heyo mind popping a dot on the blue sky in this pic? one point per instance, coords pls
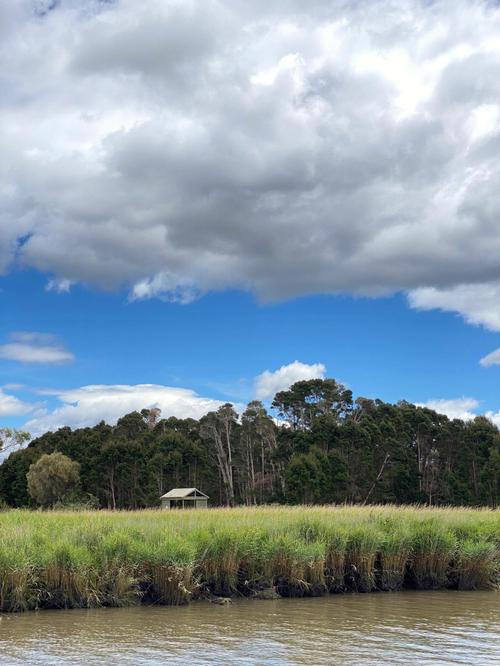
(206, 201)
(219, 344)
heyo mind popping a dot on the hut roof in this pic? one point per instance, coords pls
(182, 493)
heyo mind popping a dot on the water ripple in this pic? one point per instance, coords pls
(410, 628)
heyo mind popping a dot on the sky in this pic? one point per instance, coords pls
(204, 201)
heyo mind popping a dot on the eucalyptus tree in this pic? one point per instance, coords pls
(259, 447)
(219, 429)
(304, 401)
(10, 438)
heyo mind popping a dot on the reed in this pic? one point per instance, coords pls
(361, 555)
(433, 549)
(336, 539)
(218, 559)
(394, 555)
(64, 559)
(477, 564)
(296, 567)
(164, 566)
(66, 577)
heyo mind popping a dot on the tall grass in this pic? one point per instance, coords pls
(91, 559)
(433, 548)
(336, 538)
(394, 554)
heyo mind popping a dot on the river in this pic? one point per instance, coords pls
(373, 629)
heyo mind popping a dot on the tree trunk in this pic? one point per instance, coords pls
(379, 475)
(112, 487)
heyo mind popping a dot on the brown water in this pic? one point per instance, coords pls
(402, 628)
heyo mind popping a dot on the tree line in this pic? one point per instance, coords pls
(320, 446)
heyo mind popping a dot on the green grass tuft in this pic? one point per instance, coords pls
(89, 559)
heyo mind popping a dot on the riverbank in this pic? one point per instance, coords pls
(92, 559)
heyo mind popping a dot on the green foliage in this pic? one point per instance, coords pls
(477, 564)
(433, 547)
(307, 400)
(327, 449)
(53, 478)
(57, 559)
(305, 479)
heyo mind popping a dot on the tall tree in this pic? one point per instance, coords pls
(308, 399)
(324, 448)
(218, 428)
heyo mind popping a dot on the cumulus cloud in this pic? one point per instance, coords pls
(491, 359)
(283, 148)
(10, 405)
(268, 383)
(477, 303)
(87, 405)
(458, 408)
(28, 347)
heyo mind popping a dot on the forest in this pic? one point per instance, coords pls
(316, 446)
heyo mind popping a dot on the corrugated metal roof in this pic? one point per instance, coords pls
(179, 493)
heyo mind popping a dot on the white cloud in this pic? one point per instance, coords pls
(35, 348)
(166, 287)
(491, 359)
(478, 304)
(458, 408)
(494, 417)
(268, 383)
(60, 286)
(284, 148)
(87, 405)
(10, 405)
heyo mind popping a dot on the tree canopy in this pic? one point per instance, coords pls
(322, 447)
(53, 478)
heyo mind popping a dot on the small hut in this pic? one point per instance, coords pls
(184, 498)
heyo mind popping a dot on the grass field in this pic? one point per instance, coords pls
(91, 559)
